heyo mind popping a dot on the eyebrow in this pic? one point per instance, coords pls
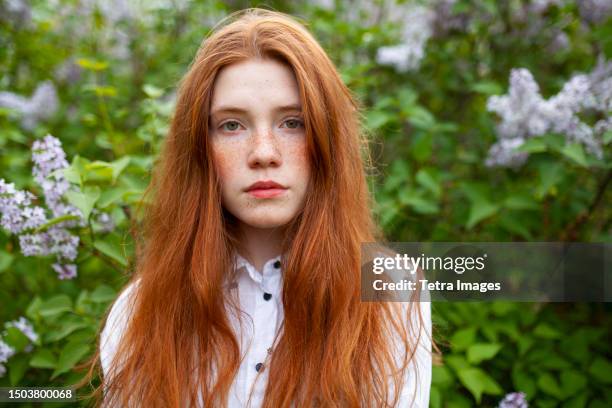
(238, 110)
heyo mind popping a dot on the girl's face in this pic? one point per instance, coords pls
(259, 143)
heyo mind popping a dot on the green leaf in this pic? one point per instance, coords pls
(425, 178)
(84, 200)
(520, 201)
(56, 305)
(523, 382)
(419, 117)
(572, 381)
(546, 331)
(487, 87)
(6, 259)
(422, 146)
(34, 308)
(578, 401)
(43, 358)
(110, 248)
(417, 203)
(118, 166)
(482, 351)
(600, 369)
(435, 397)
(441, 375)
(152, 91)
(103, 294)
(15, 338)
(91, 64)
(17, 366)
(462, 339)
(478, 382)
(550, 174)
(376, 119)
(575, 152)
(548, 384)
(480, 210)
(71, 354)
(533, 145)
(457, 362)
(66, 326)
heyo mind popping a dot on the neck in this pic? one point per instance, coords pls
(260, 244)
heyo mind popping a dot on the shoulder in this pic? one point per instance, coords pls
(416, 321)
(115, 324)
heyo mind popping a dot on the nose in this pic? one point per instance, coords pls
(264, 149)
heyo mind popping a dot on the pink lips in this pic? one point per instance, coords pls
(266, 189)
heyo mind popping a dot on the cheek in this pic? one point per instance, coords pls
(300, 158)
(223, 164)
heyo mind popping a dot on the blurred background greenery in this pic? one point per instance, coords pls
(488, 121)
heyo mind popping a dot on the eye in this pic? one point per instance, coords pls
(294, 123)
(230, 126)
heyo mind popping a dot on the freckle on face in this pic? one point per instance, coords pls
(259, 88)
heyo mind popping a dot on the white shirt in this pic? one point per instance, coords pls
(260, 297)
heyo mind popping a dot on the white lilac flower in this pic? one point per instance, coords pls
(525, 113)
(595, 11)
(25, 327)
(417, 22)
(18, 11)
(514, 400)
(6, 351)
(65, 271)
(503, 153)
(16, 209)
(40, 106)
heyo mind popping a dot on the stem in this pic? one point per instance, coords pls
(571, 231)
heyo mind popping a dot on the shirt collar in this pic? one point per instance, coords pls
(271, 268)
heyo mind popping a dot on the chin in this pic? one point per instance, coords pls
(267, 221)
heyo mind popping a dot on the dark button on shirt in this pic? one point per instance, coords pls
(267, 296)
(259, 366)
(277, 264)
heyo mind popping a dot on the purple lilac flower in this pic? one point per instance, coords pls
(17, 210)
(25, 327)
(48, 157)
(16, 11)
(65, 271)
(56, 240)
(595, 11)
(526, 114)
(40, 106)
(6, 352)
(514, 400)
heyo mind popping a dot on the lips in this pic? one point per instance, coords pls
(266, 189)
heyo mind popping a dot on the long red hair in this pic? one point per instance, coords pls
(334, 350)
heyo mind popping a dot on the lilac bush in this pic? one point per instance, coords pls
(21, 217)
(525, 113)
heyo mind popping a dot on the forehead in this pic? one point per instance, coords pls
(255, 83)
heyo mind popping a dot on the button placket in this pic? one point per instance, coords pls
(266, 312)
